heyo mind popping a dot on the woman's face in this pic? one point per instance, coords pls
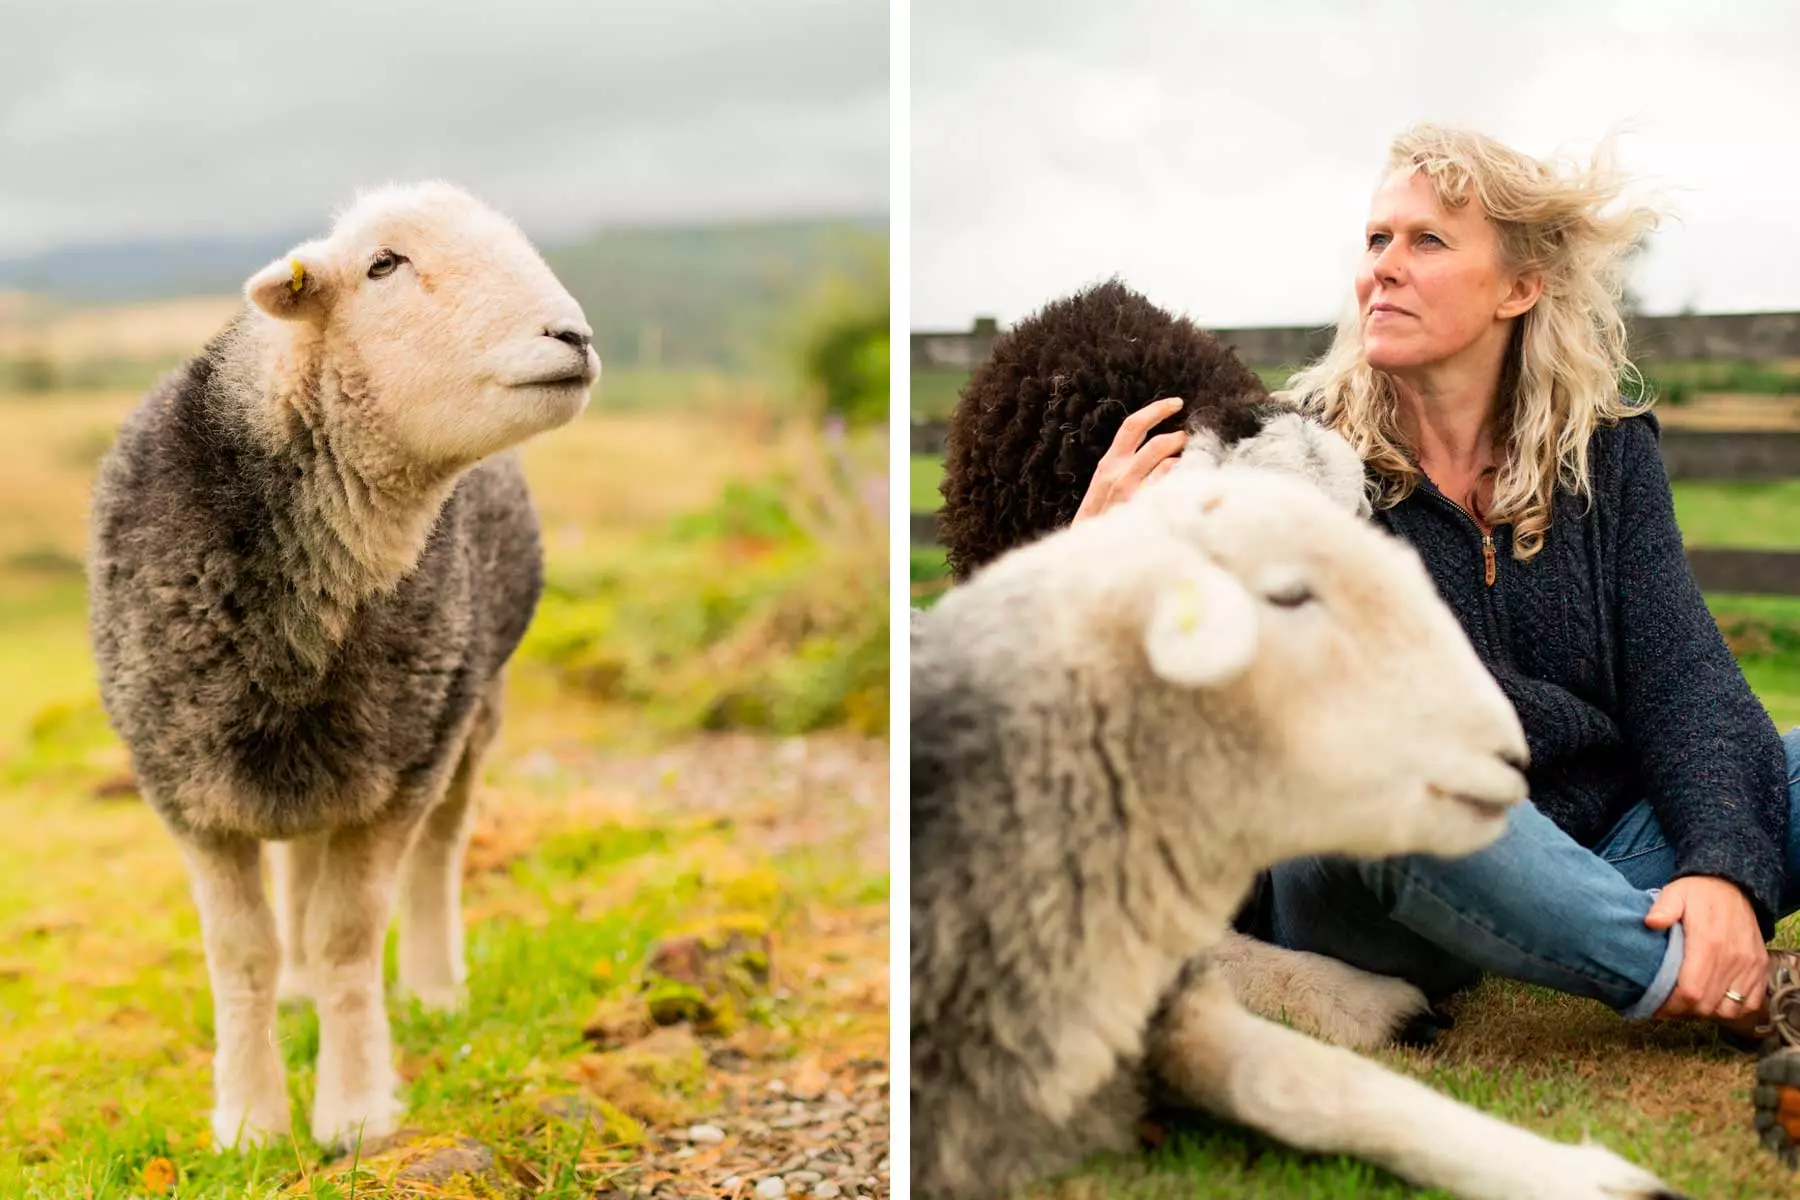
(1433, 282)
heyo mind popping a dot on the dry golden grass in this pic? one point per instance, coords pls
(152, 330)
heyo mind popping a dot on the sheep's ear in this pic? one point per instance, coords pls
(296, 287)
(1202, 628)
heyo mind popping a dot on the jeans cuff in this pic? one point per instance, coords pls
(1663, 984)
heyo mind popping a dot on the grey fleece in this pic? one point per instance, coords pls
(1617, 669)
(237, 659)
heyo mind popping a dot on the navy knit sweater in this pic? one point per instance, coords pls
(1617, 670)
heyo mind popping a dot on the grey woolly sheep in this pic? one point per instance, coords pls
(309, 564)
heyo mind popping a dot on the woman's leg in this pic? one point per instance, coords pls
(1534, 906)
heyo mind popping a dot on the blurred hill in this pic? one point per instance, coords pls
(718, 296)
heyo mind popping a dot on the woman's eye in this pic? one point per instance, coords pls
(1291, 597)
(1431, 237)
(1377, 240)
(384, 264)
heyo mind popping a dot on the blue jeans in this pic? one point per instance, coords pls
(1534, 906)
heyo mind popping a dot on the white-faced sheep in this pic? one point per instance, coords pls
(1032, 422)
(307, 571)
(1114, 729)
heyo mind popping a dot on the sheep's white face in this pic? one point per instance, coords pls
(1287, 615)
(437, 314)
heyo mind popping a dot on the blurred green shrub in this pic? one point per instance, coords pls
(848, 362)
(840, 341)
(767, 611)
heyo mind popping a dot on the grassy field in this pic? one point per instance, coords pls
(1670, 1097)
(609, 830)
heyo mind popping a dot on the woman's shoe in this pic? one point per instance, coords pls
(1777, 1094)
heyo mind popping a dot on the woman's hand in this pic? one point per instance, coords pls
(1722, 948)
(1132, 462)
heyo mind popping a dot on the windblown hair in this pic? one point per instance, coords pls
(1567, 355)
(1035, 419)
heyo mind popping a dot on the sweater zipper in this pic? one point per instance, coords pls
(1489, 560)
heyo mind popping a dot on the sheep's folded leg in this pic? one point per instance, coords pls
(346, 922)
(1331, 1000)
(1327, 1100)
(242, 957)
(293, 869)
(432, 965)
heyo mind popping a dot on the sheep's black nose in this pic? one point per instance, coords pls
(578, 338)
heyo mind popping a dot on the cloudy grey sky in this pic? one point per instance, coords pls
(1220, 155)
(199, 117)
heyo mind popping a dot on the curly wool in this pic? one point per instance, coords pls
(1035, 419)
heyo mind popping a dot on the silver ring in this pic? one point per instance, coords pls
(1733, 996)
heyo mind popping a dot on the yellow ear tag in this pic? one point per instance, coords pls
(299, 274)
(1187, 616)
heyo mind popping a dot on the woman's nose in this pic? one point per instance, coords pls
(1388, 264)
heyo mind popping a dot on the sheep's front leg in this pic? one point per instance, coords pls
(293, 869)
(346, 922)
(432, 966)
(242, 957)
(1327, 1100)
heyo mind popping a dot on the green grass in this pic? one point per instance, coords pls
(105, 1016)
(927, 474)
(1676, 381)
(101, 1076)
(934, 393)
(1744, 515)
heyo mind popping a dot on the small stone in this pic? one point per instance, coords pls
(705, 1133)
(772, 1188)
(882, 1166)
(436, 1167)
(827, 1190)
(804, 1177)
(731, 1182)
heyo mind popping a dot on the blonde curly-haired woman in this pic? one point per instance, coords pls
(1478, 377)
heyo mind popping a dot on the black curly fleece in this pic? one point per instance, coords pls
(1034, 419)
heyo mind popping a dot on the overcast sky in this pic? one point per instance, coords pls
(1220, 156)
(188, 117)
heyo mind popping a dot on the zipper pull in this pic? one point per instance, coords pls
(1487, 556)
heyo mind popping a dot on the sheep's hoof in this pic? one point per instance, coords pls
(235, 1129)
(350, 1122)
(1777, 1100)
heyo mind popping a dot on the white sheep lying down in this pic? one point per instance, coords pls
(1113, 730)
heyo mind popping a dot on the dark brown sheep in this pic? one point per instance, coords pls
(1035, 418)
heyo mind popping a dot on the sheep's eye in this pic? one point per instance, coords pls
(1292, 596)
(385, 263)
